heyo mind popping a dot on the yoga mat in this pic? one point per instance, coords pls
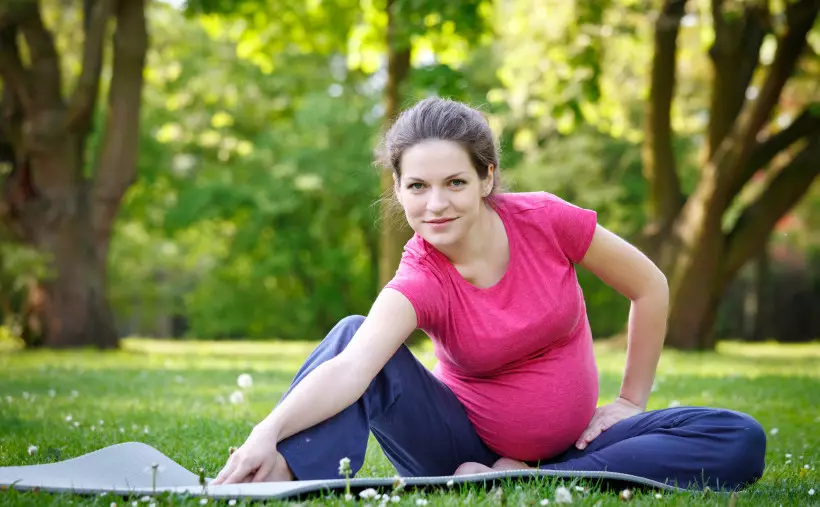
(125, 469)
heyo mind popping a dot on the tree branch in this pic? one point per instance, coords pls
(84, 98)
(805, 125)
(733, 154)
(15, 77)
(118, 159)
(756, 222)
(735, 55)
(658, 157)
(45, 63)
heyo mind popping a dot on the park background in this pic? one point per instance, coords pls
(205, 170)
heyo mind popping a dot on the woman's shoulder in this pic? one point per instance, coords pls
(517, 202)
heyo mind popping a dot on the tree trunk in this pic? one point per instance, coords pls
(698, 256)
(47, 201)
(394, 233)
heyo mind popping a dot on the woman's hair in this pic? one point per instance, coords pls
(447, 120)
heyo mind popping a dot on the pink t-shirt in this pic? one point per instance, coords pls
(518, 354)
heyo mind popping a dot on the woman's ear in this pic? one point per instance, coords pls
(490, 180)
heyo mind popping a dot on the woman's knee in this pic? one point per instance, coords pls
(339, 337)
(747, 453)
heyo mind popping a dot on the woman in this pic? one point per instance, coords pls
(490, 277)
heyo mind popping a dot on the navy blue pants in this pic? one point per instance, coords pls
(424, 431)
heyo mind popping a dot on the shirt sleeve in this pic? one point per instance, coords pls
(573, 227)
(420, 285)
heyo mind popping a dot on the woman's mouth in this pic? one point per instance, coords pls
(439, 223)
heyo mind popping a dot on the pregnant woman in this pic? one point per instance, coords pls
(490, 277)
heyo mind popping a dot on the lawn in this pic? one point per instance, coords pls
(177, 397)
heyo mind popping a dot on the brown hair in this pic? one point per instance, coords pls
(447, 120)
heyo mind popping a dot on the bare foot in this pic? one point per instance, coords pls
(472, 468)
(510, 464)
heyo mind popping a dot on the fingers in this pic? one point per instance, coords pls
(225, 472)
(263, 472)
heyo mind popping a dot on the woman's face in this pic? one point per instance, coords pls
(440, 191)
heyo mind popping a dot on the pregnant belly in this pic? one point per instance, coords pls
(534, 412)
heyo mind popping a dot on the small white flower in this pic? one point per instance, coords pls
(545, 501)
(562, 495)
(74, 393)
(626, 495)
(152, 504)
(68, 418)
(145, 499)
(135, 503)
(579, 488)
(122, 430)
(9, 399)
(450, 483)
(113, 504)
(100, 422)
(348, 497)
(788, 461)
(788, 455)
(674, 403)
(52, 393)
(32, 449)
(245, 381)
(421, 501)
(203, 501)
(232, 501)
(178, 379)
(658, 496)
(774, 431)
(237, 397)
(25, 395)
(76, 424)
(368, 493)
(145, 429)
(395, 499)
(92, 428)
(806, 467)
(811, 492)
(344, 466)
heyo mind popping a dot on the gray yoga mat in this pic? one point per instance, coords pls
(125, 469)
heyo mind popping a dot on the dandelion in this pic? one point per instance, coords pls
(788, 455)
(245, 381)
(421, 501)
(562, 495)
(9, 399)
(145, 429)
(774, 431)
(232, 501)
(32, 449)
(450, 483)
(545, 501)
(397, 498)
(74, 393)
(100, 422)
(236, 397)
(76, 424)
(579, 488)
(806, 467)
(398, 483)
(658, 496)
(68, 418)
(811, 492)
(348, 497)
(52, 393)
(674, 403)
(25, 395)
(203, 501)
(113, 504)
(145, 499)
(626, 495)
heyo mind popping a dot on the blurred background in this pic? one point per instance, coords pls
(204, 169)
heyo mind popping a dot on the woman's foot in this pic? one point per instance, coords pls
(471, 467)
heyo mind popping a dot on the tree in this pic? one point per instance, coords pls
(594, 63)
(688, 235)
(56, 198)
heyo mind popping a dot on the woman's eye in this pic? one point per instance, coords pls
(458, 183)
(414, 186)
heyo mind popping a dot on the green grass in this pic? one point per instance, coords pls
(172, 396)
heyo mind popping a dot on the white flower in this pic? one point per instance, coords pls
(674, 403)
(450, 483)
(788, 455)
(344, 466)
(232, 501)
(179, 380)
(395, 499)
(579, 488)
(74, 393)
(145, 429)
(236, 397)
(348, 497)
(32, 449)
(774, 431)
(806, 467)
(203, 501)
(368, 493)
(52, 393)
(811, 492)
(100, 422)
(145, 499)
(788, 461)
(113, 504)
(626, 495)
(76, 424)
(658, 496)
(25, 395)
(421, 501)
(545, 501)
(562, 495)
(244, 381)
(68, 418)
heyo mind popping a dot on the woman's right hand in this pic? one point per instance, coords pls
(256, 461)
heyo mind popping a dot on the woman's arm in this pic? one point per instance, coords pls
(339, 382)
(327, 390)
(624, 268)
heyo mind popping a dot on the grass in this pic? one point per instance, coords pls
(173, 396)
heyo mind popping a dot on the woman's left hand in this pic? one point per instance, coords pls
(605, 417)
